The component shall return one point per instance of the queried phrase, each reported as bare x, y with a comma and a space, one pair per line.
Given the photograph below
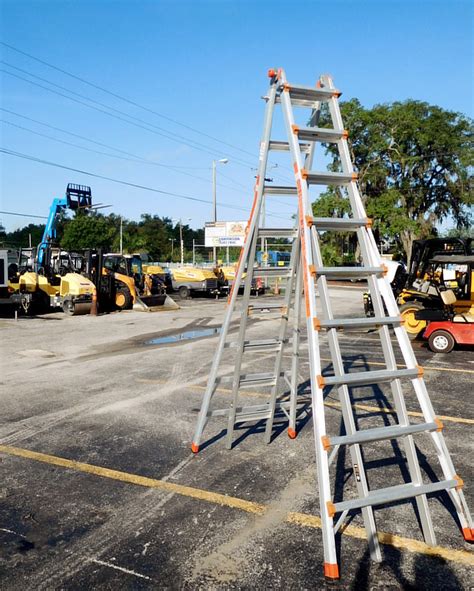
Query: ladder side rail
444, 457
243, 257
346, 406
281, 337
408, 442
348, 417
385, 290
239, 353
330, 555
295, 359
367, 250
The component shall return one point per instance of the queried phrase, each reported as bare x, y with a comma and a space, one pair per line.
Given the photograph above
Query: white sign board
224, 233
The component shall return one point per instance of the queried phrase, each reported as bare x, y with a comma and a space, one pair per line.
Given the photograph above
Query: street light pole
181, 241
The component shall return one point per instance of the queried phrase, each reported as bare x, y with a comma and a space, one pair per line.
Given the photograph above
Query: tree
88, 230
21, 238
413, 161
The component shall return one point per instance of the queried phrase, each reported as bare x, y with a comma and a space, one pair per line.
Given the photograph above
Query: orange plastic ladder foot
194, 448
331, 571
292, 433
468, 534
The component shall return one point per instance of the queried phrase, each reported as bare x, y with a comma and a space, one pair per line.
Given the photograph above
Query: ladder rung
360, 322
258, 411
329, 178
255, 344
267, 306
309, 93
394, 493
341, 224
381, 433
252, 379
320, 134
361, 378
280, 190
279, 146
277, 233
272, 272
349, 272
262, 345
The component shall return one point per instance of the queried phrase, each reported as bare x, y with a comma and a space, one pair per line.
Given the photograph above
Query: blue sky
201, 63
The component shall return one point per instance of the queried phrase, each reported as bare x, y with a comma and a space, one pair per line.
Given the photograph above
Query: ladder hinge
312, 270
309, 220
421, 371
304, 173
326, 442
295, 129
336, 94
286, 87
385, 269
320, 382
331, 507
345, 134
440, 424
354, 176
460, 482
369, 223
316, 324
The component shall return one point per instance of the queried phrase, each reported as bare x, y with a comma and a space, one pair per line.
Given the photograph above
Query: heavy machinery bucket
155, 303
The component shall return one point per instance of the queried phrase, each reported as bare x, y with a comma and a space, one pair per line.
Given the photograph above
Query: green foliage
21, 238
414, 162
87, 231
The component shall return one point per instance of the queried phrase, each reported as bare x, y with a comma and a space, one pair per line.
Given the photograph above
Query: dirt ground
99, 488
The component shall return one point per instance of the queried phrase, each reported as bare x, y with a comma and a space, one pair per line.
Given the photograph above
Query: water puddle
184, 336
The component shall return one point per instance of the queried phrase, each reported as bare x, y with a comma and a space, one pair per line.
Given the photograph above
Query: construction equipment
54, 281
4, 287
307, 270
418, 288
189, 280
132, 287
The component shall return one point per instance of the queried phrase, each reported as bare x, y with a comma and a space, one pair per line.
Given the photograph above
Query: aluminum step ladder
307, 270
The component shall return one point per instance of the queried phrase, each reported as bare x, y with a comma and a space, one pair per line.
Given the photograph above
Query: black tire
411, 325
123, 299
184, 292
441, 341
69, 307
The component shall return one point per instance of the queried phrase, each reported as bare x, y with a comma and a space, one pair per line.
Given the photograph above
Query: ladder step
349, 272
279, 146
370, 377
381, 433
263, 345
279, 190
252, 379
329, 178
256, 412
266, 305
260, 344
394, 493
320, 134
277, 233
272, 272
341, 224
360, 322
309, 93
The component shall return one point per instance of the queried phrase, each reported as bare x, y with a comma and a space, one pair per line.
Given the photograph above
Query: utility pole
121, 235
